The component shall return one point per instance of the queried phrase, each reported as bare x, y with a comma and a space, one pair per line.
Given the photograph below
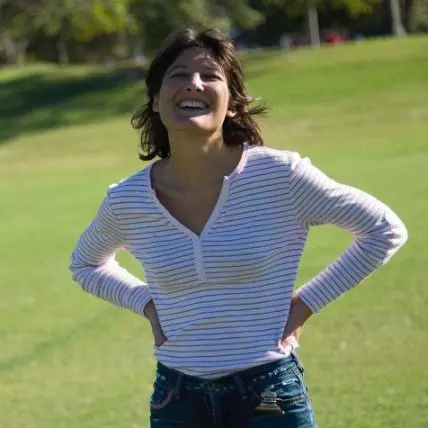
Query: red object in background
333, 38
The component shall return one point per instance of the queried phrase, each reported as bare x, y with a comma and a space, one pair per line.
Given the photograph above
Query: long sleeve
378, 232
94, 267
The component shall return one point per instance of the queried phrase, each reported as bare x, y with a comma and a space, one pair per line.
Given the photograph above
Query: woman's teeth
187, 104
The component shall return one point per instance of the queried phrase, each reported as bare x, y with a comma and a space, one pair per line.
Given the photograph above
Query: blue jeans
272, 395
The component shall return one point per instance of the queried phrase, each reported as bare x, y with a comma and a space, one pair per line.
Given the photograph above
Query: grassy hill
68, 360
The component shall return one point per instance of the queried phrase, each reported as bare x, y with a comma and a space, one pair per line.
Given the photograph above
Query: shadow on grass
56, 340
42, 101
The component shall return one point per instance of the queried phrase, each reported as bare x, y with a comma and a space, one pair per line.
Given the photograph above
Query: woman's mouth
192, 105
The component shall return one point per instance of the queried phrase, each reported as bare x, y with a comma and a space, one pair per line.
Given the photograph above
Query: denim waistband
240, 381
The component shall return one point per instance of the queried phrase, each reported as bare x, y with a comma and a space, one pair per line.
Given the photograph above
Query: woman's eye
211, 76
179, 75
204, 76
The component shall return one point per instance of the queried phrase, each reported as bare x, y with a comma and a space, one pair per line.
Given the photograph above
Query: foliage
79, 21
18, 24
68, 20
157, 19
419, 21
354, 7
95, 30
85, 18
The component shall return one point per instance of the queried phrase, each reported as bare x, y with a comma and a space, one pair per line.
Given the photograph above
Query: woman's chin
195, 123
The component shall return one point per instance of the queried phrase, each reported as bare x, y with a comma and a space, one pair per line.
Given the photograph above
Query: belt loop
297, 361
293, 355
178, 385
241, 388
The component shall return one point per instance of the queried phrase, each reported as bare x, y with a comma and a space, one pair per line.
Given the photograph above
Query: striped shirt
223, 296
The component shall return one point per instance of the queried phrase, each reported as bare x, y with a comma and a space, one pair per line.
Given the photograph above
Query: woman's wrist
297, 317
300, 308
151, 314
149, 309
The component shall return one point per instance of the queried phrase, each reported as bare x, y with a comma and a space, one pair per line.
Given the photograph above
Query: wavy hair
236, 130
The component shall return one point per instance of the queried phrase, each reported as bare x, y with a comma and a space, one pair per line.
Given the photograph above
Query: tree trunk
312, 23
21, 48
9, 48
61, 44
14, 50
396, 20
409, 6
63, 57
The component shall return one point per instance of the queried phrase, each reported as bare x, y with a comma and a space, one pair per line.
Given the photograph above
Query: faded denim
181, 401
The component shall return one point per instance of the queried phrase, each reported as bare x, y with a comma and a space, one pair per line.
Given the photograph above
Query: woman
219, 224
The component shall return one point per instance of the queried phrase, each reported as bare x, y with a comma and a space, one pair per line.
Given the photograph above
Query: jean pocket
286, 389
162, 394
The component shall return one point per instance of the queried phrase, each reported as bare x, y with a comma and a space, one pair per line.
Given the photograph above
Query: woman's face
194, 94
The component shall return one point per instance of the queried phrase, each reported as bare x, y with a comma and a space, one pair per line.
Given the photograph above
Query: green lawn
68, 360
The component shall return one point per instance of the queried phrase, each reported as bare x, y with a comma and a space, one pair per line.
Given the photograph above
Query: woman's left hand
297, 317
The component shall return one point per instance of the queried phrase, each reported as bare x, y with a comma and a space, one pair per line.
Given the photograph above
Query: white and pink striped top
223, 297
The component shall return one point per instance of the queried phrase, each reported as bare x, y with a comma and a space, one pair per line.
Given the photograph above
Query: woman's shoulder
272, 156
137, 181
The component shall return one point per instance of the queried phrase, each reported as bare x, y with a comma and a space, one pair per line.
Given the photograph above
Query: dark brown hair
236, 130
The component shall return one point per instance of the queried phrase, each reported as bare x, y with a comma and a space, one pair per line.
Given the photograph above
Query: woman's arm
94, 266
378, 232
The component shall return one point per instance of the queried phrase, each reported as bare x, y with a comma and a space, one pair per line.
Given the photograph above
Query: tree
18, 25
396, 19
65, 20
309, 8
75, 25
156, 19
312, 23
240, 13
419, 16
82, 20
408, 9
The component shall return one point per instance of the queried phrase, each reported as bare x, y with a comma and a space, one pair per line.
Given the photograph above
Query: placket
198, 240
199, 260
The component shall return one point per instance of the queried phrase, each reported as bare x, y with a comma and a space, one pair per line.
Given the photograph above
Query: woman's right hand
152, 315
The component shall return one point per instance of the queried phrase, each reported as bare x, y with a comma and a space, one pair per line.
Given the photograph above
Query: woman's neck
199, 162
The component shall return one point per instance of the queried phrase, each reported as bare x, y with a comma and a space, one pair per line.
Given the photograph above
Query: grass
71, 361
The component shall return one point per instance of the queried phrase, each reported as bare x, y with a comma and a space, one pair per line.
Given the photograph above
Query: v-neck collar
217, 208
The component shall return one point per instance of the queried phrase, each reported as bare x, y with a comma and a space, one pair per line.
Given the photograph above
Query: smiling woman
196, 66
219, 224
194, 94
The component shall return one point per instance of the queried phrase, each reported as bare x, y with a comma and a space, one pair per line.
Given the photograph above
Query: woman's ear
155, 105
231, 111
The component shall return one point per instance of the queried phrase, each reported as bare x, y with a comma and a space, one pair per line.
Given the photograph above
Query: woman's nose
195, 83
